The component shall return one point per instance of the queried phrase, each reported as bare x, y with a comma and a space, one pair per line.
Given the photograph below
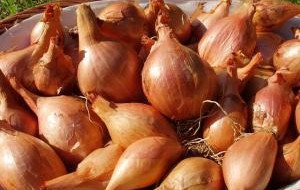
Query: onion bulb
286, 59
194, 173
108, 68
144, 163
50, 21
179, 21
297, 116
249, 162
43, 67
136, 120
66, 123
123, 21
175, 80
272, 14
267, 43
92, 172
230, 34
287, 165
26, 162
272, 106
13, 111
224, 126
201, 20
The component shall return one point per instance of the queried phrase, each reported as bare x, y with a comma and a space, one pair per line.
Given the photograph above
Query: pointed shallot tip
277, 78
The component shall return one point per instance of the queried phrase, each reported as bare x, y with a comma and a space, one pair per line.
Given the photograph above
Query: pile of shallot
134, 98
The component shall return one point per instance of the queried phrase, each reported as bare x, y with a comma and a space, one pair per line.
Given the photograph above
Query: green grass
9, 7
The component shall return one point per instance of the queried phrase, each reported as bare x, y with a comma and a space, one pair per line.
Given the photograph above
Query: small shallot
13, 111
287, 165
226, 124
175, 80
108, 68
201, 20
194, 173
272, 106
179, 21
66, 123
50, 21
144, 163
123, 21
136, 120
286, 60
249, 162
94, 171
272, 14
26, 162
230, 34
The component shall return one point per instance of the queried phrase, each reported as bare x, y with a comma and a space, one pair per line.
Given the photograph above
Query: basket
16, 18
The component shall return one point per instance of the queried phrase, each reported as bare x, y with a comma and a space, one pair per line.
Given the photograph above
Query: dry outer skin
194, 173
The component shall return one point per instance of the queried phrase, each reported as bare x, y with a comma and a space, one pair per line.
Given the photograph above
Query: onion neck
88, 29
30, 98
103, 108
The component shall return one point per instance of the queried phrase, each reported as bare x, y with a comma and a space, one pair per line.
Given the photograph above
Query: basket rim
12, 20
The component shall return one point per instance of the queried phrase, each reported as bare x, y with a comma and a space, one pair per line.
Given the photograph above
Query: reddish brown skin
297, 116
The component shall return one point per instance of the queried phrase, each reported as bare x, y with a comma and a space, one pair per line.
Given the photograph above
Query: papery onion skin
123, 21
248, 163
287, 165
286, 60
194, 173
26, 162
51, 19
92, 172
221, 130
12, 110
230, 34
297, 116
272, 14
272, 106
66, 123
136, 120
54, 72
179, 21
175, 80
201, 20
267, 43
144, 163
108, 68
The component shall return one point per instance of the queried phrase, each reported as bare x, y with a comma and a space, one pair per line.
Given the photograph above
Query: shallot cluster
151, 97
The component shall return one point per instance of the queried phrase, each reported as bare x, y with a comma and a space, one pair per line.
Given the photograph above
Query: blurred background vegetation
9, 7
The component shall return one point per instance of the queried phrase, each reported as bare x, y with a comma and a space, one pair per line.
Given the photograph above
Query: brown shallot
123, 21
136, 120
26, 162
286, 60
179, 21
194, 173
287, 165
108, 68
50, 21
226, 124
175, 80
272, 106
144, 163
297, 116
230, 34
92, 172
249, 162
201, 20
272, 14
66, 123
13, 111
